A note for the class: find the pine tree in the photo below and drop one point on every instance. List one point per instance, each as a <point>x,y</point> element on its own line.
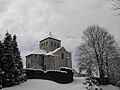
<point>18,62</point>
<point>8,62</point>
<point>1,54</point>
<point>1,59</point>
<point>11,66</point>
<point>1,74</point>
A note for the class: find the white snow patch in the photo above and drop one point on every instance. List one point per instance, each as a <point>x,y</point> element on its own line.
<point>38,51</point>
<point>38,84</point>
<point>109,87</point>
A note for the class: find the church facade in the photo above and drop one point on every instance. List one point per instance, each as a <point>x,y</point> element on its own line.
<point>49,56</point>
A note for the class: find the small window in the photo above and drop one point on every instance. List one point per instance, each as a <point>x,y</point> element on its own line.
<point>57,45</point>
<point>46,43</point>
<point>51,43</point>
<point>62,55</point>
<point>41,45</point>
<point>54,44</point>
<point>35,59</point>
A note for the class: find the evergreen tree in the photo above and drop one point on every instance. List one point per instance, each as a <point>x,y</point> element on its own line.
<point>11,66</point>
<point>18,62</point>
<point>8,61</point>
<point>1,54</point>
<point>1,61</point>
<point>1,74</point>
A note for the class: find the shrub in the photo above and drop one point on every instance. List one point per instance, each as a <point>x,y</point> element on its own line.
<point>35,74</point>
<point>61,76</point>
<point>118,84</point>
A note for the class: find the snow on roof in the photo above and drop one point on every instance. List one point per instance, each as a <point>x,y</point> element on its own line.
<point>52,52</point>
<point>66,68</point>
<point>56,49</point>
<point>41,51</point>
<point>34,69</point>
<point>56,71</point>
<point>38,51</point>
<point>50,35</point>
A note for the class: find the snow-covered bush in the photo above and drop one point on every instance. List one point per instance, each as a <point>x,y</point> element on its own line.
<point>91,85</point>
<point>35,74</point>
<point>95,80</point>
<point>118,84</point>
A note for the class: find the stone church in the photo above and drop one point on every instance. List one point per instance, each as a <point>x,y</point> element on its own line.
<point>50,55</point>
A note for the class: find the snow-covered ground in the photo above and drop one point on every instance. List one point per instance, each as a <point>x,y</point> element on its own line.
<point>38,84</point>
<point>110,87</point>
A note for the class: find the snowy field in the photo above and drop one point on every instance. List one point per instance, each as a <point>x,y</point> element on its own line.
<point>38,84</point>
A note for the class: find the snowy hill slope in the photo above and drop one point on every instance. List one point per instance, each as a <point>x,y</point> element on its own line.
<point>38,84</point>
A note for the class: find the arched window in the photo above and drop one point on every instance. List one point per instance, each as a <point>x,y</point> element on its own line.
<point>62,55</point>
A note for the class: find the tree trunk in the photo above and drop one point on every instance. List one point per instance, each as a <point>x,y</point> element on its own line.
<point>107,69</point>
<point>102,76</point>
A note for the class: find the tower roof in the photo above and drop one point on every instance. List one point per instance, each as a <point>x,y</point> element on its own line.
<point>50,35</point>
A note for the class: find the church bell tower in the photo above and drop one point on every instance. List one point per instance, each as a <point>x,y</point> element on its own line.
<point>50,43</point>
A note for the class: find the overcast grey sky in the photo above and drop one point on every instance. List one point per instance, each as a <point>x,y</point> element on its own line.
<point>32,20</point>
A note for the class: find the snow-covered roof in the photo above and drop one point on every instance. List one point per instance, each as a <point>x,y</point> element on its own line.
<point>50,35</point>
<point>41,51</point>
<point>56,49</point>
<point>66,68</point>
<point>56,71</point>
<point>38,51</point>
<point>52,52</point>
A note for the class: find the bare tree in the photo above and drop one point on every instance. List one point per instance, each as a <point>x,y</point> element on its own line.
<point>116,6</point>
<point>97,49</point>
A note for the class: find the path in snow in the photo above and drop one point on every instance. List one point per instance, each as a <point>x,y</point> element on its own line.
<point>38,84</point>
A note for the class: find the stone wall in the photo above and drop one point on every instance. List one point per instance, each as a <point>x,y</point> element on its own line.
<point>62,62</point>
<point>49,62</point>
<point>34,61</point>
